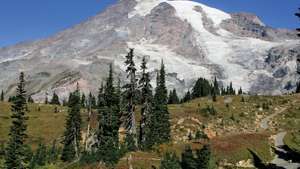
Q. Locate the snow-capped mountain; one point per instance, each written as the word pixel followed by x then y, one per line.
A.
pixel 192 39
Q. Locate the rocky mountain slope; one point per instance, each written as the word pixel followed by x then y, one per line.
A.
pixel 193 40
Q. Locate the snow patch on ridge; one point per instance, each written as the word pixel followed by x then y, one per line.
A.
pixel 144 7
pixel 215 47
pixel 216 15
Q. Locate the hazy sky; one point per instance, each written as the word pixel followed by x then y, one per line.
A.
pixel 24 20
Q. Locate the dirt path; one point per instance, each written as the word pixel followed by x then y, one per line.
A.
pixel 278 141
pixel 264 124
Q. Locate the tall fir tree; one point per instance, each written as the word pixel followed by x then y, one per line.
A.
pixel 216 87
pixel 187 97
pixel 72 134
pixel 108 128
pixel 173 97
pixel 83 100
pixel 298 87
pixel 146 112
pixel 231 90
pixel 170 161
pixel 101 101
pixel 161 117
pixel 55 99
pixel 46 99
pixel 30 100
pixel 188 161
pixel 240 91
pixel 15 154
pixel 204 158
pixel 2 96
pixel 130 96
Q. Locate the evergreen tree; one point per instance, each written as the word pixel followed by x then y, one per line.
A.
pixel 2 96
pixel 108 128
pixel 46 99
pixel 130 95
pixel 231 91
pixel 92 101
pixel 298 87
pixel 170 161
pixel 72 135
pixel 201 88
pixel 101 101
pixel 30 100
pixel 146 112
pixel 14 158
pixel 204 158
pixel 161 117
pixel 53 153
pixel 240 92
pixel 83 100
pixel 187 97
pixel 188 161
pixel 173 98
pixel 40 158
pixel 216 87
pixel 55 99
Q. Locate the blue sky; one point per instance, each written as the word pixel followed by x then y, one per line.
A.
pixel 25 20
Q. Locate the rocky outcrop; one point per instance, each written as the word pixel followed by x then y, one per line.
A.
pixel 249 25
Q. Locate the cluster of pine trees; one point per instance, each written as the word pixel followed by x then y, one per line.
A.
pixel 200 159
pixel 203 88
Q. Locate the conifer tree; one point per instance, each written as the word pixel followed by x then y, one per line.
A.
pixel 53 153
pixel 55 99
pixel 173 98
pixel 187 97
pixel 188 161
pixel 201 88
pixel 72 134
pixel 161 117
pixel 130 95
pixel 112 102
pixel 146 112
pixel 101 101
pixel 216 87
pixel 240 92
pixel 204 158
pixel 92 101
pixel 30 100
pixel 14 157
pixel 298 88
pixel 231 91
pixel 2 96
pixel 170 161
pixel 46 99
pixel 83 100
pixel 108 128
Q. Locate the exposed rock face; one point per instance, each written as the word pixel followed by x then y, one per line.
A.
pixel 249 25
pixel 194 41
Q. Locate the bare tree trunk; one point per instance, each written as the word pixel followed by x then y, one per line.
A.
pixel 88 128
pixel 75 143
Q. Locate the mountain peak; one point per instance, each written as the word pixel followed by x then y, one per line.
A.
pixel 193 39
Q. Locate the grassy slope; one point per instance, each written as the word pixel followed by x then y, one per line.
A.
pixel 234 129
